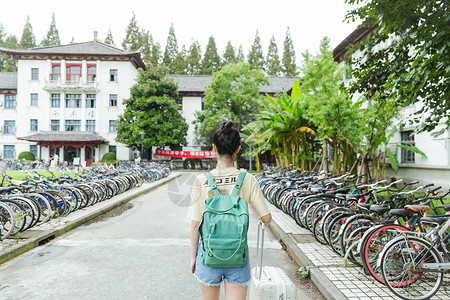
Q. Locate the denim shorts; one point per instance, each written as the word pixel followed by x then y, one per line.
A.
pixel 210 276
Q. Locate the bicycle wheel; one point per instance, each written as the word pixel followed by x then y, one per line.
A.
pixel 406 265
pixel 7 221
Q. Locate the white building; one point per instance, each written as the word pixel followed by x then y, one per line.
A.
pixel 66 100
pixel 435 168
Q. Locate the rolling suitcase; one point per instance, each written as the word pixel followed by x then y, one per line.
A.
pixel 269 282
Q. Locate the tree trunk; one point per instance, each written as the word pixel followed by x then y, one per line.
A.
pixel 324 165
pixel 258 165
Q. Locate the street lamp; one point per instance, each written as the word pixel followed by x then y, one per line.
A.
pixel 142 143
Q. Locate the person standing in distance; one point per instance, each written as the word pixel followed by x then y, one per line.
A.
pixel 226 145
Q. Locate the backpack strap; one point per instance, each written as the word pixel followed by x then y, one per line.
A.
pixel 238 184
pixel 212 184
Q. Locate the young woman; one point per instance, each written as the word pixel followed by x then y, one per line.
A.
pixel 226 144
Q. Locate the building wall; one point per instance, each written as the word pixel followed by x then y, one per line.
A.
pixel 190 106
pixel 102 113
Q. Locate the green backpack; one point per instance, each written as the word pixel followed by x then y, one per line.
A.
pixel 224 226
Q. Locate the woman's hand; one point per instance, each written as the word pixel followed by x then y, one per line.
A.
pixel 193 260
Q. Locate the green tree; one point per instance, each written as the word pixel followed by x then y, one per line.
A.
pixel 413 62
pixel 273 66
pixel 288 60
pixel 240 57
pixel 229 56
pixel 146 48
pixel 133 36
pixel 179 62
pixel 171 50
pixel 28 40
pixel 211 61
pixel 255 56
pixel 109 38
pixel 194 59
pixel 152 109
pixel 52 37
pixel 233 94
pixel 155 59
pixel 8 63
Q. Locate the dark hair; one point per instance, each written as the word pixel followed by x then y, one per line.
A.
pixel 227 138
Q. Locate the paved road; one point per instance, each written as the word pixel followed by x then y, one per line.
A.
pixel 138 251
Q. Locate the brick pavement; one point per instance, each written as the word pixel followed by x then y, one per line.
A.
pixel 329 273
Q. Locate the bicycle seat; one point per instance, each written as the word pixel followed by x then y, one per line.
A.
pixel 379 209
pixel 433 220
pixel 400 212
pixel 365 205
pixel 27 187
pixel 340 196
pixel 6 189
pixel 417 208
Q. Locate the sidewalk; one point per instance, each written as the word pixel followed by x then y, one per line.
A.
pixel 46 232
pixel 326 267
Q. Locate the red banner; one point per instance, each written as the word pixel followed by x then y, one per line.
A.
pixel 185 154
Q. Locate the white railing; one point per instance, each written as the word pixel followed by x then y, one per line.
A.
pixel 70 85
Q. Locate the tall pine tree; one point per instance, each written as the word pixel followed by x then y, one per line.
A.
pixel 240 56
pixel 179 62
pixel 52 37
pixel 211 60
pixel 171 50
pixel 289 66
pixel 194 59
pixel 109 38
pixel 155 59
pixel 273 66
pixel 255 56
pixel 146 48
pixel 28 39
pixel 133 37
pixel 229 56
pixel 8 63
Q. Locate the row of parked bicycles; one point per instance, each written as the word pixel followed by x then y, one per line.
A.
pixel 45 195
pixel 396 232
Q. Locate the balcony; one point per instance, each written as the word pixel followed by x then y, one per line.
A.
pixel 54 83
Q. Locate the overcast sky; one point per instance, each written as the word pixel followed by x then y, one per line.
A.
pixel 230 20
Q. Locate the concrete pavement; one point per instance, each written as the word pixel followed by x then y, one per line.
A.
pixel 133 250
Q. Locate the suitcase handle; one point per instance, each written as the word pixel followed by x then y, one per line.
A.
pixel 259 260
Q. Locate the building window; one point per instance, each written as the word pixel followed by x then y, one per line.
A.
pixel 90 125
pixel 9 151
pixel 112 99
pixel 54 125
pixel 112 126
pixel 33 125
pixel 113 75
pixel 55 100
pixel 113 149
pixel 73 100
pixel 56 73
pixel 73 125
pixel 203 103
pixel 34 99
pixel 73 73
pixel 407 138
pixel 9 127
pixel 34 73
pixel 90 101
pixel 179 101
pixel 10 101
pixel 33 149
pixel 91 73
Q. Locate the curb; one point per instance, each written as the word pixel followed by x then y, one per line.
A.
pixel 48 235
pixel 323 284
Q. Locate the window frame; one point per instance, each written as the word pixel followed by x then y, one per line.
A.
pixel 77 100
pixel 34 150
pixel 112 148
pixel 54 101
pixel 10 103
pixel 91 102
pixel 11 149
pixel 54 76
pixel 9 127
pixel 73 125
pixel 407 138
pixel 73 77
pixel 34 73
pixel 112 126
pixel 34 125
pixel 54 123
pixel 113 102
pixel 90 127
pixel 113 75
pixel 91 76
pixel 34 99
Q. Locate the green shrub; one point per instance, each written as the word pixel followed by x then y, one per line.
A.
pixel 109 157
pixel 26 155
pixel 193 162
